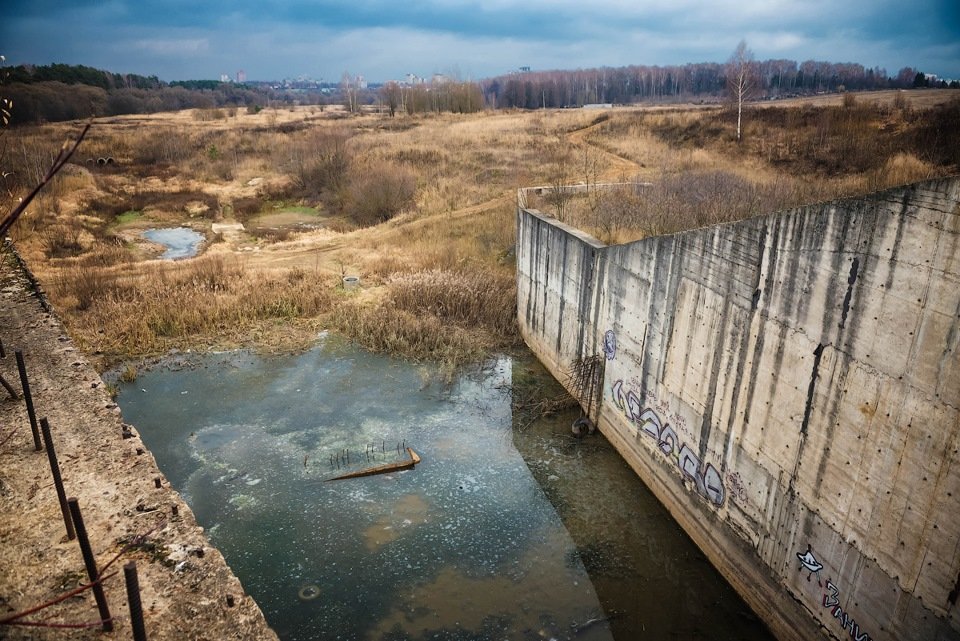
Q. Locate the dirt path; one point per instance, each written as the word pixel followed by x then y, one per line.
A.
pixel 617 166
pixel 188 592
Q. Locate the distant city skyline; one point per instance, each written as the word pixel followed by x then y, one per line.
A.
pixel 176 40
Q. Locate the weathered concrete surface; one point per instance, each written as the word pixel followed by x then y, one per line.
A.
pixel 789 387
pixel 185 582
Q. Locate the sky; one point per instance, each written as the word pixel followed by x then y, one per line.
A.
pixel 472 39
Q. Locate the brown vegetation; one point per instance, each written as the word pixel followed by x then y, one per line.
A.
pixel 421 208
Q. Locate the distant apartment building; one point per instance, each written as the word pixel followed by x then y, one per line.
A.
pixel 241 76
pixel 224 77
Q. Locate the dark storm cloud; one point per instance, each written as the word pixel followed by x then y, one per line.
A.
pixel 177 38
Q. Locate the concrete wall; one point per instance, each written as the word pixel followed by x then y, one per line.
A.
pixel 789 387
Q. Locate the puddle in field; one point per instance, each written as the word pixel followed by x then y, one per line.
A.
pixel 180 242
pixel 480 541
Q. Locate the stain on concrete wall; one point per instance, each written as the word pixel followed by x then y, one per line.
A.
pixel 789 386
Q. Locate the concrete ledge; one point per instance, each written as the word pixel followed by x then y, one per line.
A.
pixel 188 591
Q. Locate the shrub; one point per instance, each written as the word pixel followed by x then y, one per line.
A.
pixel 376 197
pixel 320 162
pixel 60 241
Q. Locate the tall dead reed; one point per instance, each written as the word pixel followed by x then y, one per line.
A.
pixel 451 317
pixel 186 301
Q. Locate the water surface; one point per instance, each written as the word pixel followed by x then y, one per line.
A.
pixel 500 533
pixel 180 242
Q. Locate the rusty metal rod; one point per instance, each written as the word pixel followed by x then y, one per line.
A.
pixel 7 386
pixel 25 385
pixel 57 479
pixel 91 563
pixel 133 598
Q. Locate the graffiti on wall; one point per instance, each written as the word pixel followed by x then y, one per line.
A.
pixel 831 596
pixel 610 344
pixel 735 488
pixel 647 420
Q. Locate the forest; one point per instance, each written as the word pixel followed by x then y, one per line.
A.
pixel 59 92
pixel 694 82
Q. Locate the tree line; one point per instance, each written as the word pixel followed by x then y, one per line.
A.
pixel 57 92
pixel 703 81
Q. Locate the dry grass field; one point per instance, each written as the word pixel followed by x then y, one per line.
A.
pixel 420 208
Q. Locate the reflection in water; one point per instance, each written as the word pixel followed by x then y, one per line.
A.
pixel 649 576
pixel 469 545
pixel 180 242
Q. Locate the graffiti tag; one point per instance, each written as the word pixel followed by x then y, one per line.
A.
pixel 831 597
pixel 735 487
pixel 646 420
pixel 810 563
pixel 610 344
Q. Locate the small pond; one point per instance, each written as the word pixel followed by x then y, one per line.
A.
pixel 503 531
pixel 180 242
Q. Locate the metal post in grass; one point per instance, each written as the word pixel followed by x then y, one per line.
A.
pixel 133 598
pixel 91 564
pixel 25 386
pixel 57 479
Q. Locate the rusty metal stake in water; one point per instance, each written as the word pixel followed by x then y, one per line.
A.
pixel 133 598
pixel 57 479
pixel 91 564
pixel 25 385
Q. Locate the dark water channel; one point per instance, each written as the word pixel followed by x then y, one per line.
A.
pixel 504 531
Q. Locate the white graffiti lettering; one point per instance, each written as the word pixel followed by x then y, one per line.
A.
pixel 831 598
pixel 646 420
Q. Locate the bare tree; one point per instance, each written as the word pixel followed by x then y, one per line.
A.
pixel 560 166
pixel 351 90
pixel 741 79
pixel 392 95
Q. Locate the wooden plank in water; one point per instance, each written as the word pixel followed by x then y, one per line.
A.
pixel 382 469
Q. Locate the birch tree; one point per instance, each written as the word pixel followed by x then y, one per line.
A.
pixel 740 79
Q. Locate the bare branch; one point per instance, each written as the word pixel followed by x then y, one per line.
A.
pixel 65 153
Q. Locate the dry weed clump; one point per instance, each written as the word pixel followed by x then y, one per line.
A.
pixel 473 299
pixel 374 197
pixel 61 240
pixel 185 301
pixel 451 317
pixel 418 337
pixel 904 168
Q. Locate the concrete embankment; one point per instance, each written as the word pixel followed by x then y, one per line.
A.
pixel 789 387
pixel 188 592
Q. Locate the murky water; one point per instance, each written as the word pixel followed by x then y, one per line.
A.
pixel 180 242
pixel 499 533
